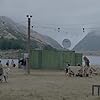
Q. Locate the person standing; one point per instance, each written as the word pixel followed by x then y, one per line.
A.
pixel 7 63
pixel 5 73
pixel 1 72
pixel 87 62
pixel 12 63
pixel 67 69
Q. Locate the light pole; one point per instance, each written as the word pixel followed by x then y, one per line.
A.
pixel 28 43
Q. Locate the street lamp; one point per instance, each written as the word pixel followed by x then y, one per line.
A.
pixel 28 43
pixel 58 29
pixel 83 29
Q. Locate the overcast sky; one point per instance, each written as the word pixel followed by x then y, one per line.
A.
pixel 67 13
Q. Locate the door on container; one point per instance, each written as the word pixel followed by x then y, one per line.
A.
pixel 66 58
pixel 34 59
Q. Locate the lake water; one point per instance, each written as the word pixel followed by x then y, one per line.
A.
pixel 94 60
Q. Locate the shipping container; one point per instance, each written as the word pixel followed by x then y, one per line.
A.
pixel 53 59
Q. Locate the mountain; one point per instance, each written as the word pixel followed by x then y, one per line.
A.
pixel 91 42
pixel 12 30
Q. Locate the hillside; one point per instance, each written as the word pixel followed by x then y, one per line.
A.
pixel 11 30
pixel 91 42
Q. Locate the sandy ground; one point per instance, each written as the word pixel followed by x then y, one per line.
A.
pixel 47 85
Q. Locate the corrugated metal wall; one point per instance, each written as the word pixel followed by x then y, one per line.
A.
pixel 52 59
pixel 77 58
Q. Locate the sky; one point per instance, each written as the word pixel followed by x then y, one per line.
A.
pixel 69 15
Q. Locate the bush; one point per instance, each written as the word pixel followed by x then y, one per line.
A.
pixel 6 44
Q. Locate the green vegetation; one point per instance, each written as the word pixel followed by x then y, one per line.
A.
pixel 6 44
pixel 48 47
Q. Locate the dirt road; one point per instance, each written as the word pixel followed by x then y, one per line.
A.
pixel 47 85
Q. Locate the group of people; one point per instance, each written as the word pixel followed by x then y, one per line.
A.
pixel 22 63
pixel 4 69
pixel 84 71
pixel 12 63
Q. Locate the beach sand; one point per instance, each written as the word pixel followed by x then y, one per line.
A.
pixel 47 85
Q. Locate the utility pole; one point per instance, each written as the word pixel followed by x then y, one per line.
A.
pixel 28 43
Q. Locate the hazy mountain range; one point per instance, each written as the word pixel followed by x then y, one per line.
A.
pixel 12 30
pixel 91 42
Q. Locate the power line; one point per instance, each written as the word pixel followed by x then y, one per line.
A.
pixel 64 28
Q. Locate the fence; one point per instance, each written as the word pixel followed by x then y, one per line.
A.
pixel 53 59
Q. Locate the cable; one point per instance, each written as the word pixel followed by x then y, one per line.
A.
pixel 63 27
